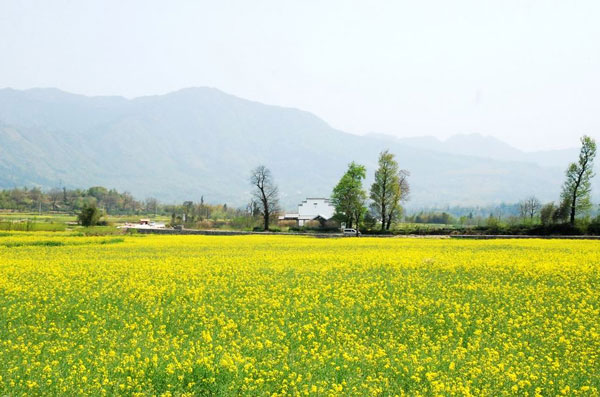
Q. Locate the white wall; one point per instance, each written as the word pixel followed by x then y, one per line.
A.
pixel 316 207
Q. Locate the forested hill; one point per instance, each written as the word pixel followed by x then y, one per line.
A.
pixel 201 141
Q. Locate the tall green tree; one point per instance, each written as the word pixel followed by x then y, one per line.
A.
pixel 401 193
pixel 389 190
pixel 384 188
pixel 577 187
pixel 349 197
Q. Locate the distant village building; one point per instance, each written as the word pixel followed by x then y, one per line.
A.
pixel 311 209
pixel 143 224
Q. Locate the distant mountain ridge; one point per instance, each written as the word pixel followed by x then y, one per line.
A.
pixel 203 142
pixel 486 146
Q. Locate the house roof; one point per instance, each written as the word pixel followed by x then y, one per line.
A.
pixel 288 216
pixel 302 217
pixel 326 200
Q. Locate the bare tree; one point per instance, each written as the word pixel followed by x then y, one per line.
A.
pixel 265 192
pixel 529 207
pixel 151 205
pixel 55 195
pixel 252 208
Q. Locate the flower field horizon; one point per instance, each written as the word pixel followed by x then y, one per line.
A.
pixel 287 315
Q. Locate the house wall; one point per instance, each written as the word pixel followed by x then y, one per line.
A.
pixel 314 207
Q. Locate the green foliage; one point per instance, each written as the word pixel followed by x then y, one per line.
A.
pixel 71 200
pixel 547 213
pixel 89 216
pixel 384 190
pixel 32 226
pixel 348 196
pixel 101 231
pixel 577 186
pixel 369 221
pixel 432 217
pixel 388 190
pixel 12 244
pixel 561 215
pixel 594 226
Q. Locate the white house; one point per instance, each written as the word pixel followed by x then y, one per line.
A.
pixel 311 209
pixel 143 224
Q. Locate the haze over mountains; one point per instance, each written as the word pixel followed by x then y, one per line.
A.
pixel 203 142
pixel 489 147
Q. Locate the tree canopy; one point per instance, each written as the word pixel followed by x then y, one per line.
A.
pixel 349 197
pixel 89 216
pixel 388 190
pixel 577 187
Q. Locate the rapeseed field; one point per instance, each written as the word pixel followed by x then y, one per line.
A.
pixel 283 315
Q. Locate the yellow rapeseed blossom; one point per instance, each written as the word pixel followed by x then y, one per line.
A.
pixel 284 315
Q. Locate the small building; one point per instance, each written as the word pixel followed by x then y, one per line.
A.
pixel 311 209
pixel 143 224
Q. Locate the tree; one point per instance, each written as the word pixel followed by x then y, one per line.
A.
pixel 577 187
pixel 151 205
pixel 99 192
pixel 252 208
pixel 89 216
pixel 65 197
pixel 383 190
pixel 561 213
pixel 401 194
pixel 529 207
pixel 348 196
pixel 265 192
pixel 188 211
pixel 55 195
pixel 547 213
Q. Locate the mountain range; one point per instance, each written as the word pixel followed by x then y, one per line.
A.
pixel 203 142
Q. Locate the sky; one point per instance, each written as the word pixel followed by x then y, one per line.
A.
pixel 526 72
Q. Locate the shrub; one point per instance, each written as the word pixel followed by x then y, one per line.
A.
pixel 89 216
pixel 594 227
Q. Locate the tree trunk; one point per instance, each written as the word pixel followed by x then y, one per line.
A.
pixel 575 189
pixel 265 204
pixel 573 206
pixel 266 220
pixel 389 219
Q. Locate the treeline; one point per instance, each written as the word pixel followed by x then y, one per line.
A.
pixel 99 201
pixel 73 200
pixel 465 215
pixel 206 216
pixel 544 219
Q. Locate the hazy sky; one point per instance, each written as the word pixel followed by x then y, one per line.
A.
pixel 527 72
